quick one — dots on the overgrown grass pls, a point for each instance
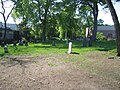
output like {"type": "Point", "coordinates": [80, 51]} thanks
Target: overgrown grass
{"type": "Point", "coordinates": [60, 48]}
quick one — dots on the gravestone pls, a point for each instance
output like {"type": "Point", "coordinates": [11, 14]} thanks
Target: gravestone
{"type": "Point", "coordinates": [5, 49]}
{"type": "Point", "coordinates": [14, 43]}
{"type": "Point", "coordinates": [53, 43]}
{"type": "Point", "coordinates": [70, 48]}
{"type": "Point", "coordinates": [84, 42]}
{"type": "Point", "coordinates": [87, 32]}
{"type": "Point", "coordinates": [90, 41]}
{"type": "Point", "coordinates": [26, 43]}
{"type": "Point", "coordinates": [20, 42]}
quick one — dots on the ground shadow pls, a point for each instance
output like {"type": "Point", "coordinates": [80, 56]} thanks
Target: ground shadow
{"type": "Point", "coordinates": [10, 62]}
{"type": "Point", "coordinates": [42, 46]}
{"type": "Point", "coordinates": [103, 49]}
{"type": "Point", "coordinates": [75, 53]}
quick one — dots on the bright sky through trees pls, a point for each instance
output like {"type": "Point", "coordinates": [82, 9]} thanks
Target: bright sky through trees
{"type": "Point", "coordinates": [106, 16]}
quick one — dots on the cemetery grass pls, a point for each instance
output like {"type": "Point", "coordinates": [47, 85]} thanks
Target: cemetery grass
{"type": "Point", "coordinates": [60, 48]}
{"type": "Point", "coordinates": [42, 66]}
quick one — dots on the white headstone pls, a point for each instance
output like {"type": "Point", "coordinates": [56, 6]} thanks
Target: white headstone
{"type": "Point", "coordinates": [87, 32]}
{"type": "Point", "coordinates": [70, 48]}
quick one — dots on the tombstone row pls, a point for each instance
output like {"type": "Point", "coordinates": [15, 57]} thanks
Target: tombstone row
{"type": "Point", "coordinates": [21, 43]}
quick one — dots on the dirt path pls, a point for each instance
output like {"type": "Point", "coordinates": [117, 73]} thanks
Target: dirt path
{"type": "Point", "coordinates": [47, 73]}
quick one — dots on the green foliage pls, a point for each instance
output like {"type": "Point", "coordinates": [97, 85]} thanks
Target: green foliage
{"type": "Point", "coordinates": [100, 36]}
{"type": "Point", "coordinates": [61, 32]}
{"type": "Point", "coordinates": [54, 18]}
{"type": "Point", "coordinates": [85, 13]}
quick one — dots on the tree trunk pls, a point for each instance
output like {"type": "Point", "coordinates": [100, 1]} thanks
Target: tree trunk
{"type": "Point", "coordinates": [66, 34]}
{"type": "Point", "coordinates": [44, 27]}
{"type": "Point", "coordinates": [116, 24]}
{"type": "Point", "coordinates": [39, 9]}
{"type": "Point", "coordinates": [5, 30]}
{"type": "Point", "coordinates": [4, 37]}
{"type": "Point", "coordinates": [45, 21]}
{"type": "Point", "coordinates": [88, 22]}
{"type": "Point", "coordinates": [95, 14]}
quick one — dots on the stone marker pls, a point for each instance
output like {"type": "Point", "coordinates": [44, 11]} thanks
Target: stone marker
{"type": "Point", "coordinates": [53, 43]}
{"type": "Point", "coordinates": [70, 48]}
{"type": "Point", "coordinates": [14, 43]}
{"type": "Point", "coordinates": [5, 49]}
{"type": "Point", "coordinates": [20, 42]}
{"type": "Point", "coordinates": [84, 42]}
{"type": "Point", "coordinates": [26, 43]}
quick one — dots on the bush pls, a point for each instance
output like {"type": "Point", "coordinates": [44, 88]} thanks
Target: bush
{"type": "Point", "coordinates": [100, 36]}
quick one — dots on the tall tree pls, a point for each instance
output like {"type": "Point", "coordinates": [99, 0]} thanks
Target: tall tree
{"type": "Point", "coordinates": [116, 24]}
{"type": "Point", "coordinates": [94, 6]}
{"type": "Point", "coordinates": [35, 12]}
{"type": "Point", "coordinates": [46, 8]}
{"type": "Point", "coordinates": [5, 17]}
{"type": "Point", "coordinates": [66, 18]}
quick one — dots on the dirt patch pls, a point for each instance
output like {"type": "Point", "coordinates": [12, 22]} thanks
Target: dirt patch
{"type": "Point", "coordinates": [47, 72]}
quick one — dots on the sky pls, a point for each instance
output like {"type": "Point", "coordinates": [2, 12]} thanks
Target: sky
{"type": "Point", "coordinates": [105, 16]}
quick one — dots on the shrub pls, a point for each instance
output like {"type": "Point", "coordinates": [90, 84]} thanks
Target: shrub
{"type": "Point", "coordinates": [100, 36]}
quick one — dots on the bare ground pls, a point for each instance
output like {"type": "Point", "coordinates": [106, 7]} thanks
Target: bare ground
{"type": "Point", "coordinates": [51, 72]}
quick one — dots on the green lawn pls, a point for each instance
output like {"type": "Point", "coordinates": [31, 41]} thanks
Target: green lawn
{"type": "Point", "coordinates": [60, 48]}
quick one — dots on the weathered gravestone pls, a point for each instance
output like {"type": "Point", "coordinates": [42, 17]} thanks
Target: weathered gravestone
{"type": "Point", "coordinates": [53, 43]}
{"type": "Point", "coordinates": [84, 42]}
{"type": "Point", "coordinates": [70, 48]}
{"type": "Point", "coordinates": [20, 42]}
{"type": "Point", "coordinates": [14, 43]}
{"type": "Point", "coordinates": [26, 43]}
{"type": "Point", "coordinates": [5, 49]}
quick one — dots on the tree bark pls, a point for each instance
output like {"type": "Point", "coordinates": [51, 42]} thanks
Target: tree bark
{"type": "Point", "coordinates": [116, 24]}
{"type": "Point", "coordinates": [5, 29]}
{"type": "Point", "coordinates": [44, 26]}
{"type": "Point", "coordinates": [94, 7]}
{"type": "Point", "coordinates": [45, 21]}
{"type": "Point", "coordinates": [4, 37]}
{"type": "Point", "coordinates": [95, 14]}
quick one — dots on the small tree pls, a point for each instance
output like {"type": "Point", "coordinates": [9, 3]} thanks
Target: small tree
{"type": "Point", "coordinates": [5, 14]}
